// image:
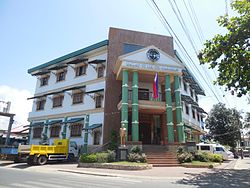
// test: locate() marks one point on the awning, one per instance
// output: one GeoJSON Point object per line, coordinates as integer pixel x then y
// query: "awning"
{"type": "Point", "coordinates": [57, 92]}
{"type": "Point", "coordinates": [188, 100]}
{"type": "Point", "coordinates": [187, 77]}
{"type": "Point", "coordinates": [74, 120]}
{"type": "Point", "coordinates": [75, 87]}
{"type": "Point", "coordinates": [37, 124]}
{"type": "Point", "coordinates": [199, 109]}
{"type": "Point", "coordinates": [53, 122]}
{"type": "Point", "coordinates": [77, 61]}
{"type": "Point", "coordinates": [58, 67]}
{"type": "Point", "coordinates": [41, 73]}
{"type": "Point", "coordinates": [95, 91]}
{"type": "Point", "coordinates": [35, 97]}
{"type": "Point", "coordinates": [97, 61]}
{"type": "Point", "coordinates": [94, 126]}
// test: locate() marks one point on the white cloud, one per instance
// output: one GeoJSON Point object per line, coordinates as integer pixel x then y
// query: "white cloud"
{"type": "Point", "coordinates": [19, 105]}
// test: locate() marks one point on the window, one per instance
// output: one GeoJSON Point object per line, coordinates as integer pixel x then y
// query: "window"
{"type": "Point", "coordinates": [37, 132]}
{"type": "Point", "coordinates": [187, 109]}
{"type": "Point", "coordinates": [191, 92]}
{"type": "Point", "coordinates": [193, 113]}
{"type": "Point", "coordinates": [98, 101]}
{"type": "Point", "coordinates": [40, 104]}
{"type": "Point", "coordinates": [143, 94]}
{"type": "Point", "coordinates": [198, 117]}
{"type": "Point", "coordinates": [76, 129]}
{"type": "Point", "coordinates": [78, 97]}
{"type": "Point", "coordinates": [96, 137]}
{"type": "Point", "coordinates": [81, 70]}
{"type": "Point", "coordinates": [100, 71]}
{"type": "Point", "coordinates": [185, 85]}
{"type": "Point", "coordinates": [182, 104]}
{"type": "Point", "coordinates": [57, 101]}
{"type": "Point", "coordinates": [55, 131]}
{"type": "Point", "coordinates": [44, 81]}
{"type": "Point", "coordinates": [205, 148]}
{"type": "Point", "coordinates": [60, 76]}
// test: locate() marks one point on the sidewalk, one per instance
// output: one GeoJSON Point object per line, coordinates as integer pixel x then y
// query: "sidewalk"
{"type": "Point", "coordinates": [154, 173]}
{"type": "Point", "coordinates": [243, 163]}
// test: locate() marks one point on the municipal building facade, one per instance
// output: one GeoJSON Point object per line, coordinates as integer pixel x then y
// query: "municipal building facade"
{"type": "Point", "coordinates": [87, 94]}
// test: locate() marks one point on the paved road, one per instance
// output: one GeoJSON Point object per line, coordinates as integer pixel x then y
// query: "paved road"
{"type": "Point", "coordinates": [18, 178]}
{"type": "Point", "coordinates": [231, 175]}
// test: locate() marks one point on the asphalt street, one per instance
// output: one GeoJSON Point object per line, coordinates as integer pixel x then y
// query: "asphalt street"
{"type": "Point", "coordinates": [233, 174]}
{"type": "Point", "coordinates": [17, 178]}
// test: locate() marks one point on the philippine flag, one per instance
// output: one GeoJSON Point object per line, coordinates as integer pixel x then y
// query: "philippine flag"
{"type": "Point", "coordinates": [155, 86]}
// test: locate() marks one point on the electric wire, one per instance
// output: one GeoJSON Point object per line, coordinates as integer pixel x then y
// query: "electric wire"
{"type": "Point", "coordinates": [180, 45]}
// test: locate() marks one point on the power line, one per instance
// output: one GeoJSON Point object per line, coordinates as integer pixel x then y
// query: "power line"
{"type": "Point", "coordinates": [166, 24]}
{"type": "Point", "coordinates": [183, 25]}
{"type": "Point", "coordinates": [195, 26]}
{"type": "Point", "coordinates": [200, 34]}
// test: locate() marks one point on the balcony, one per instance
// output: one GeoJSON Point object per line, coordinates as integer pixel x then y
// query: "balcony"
{"type": "Point", "coordinates": [146, 101]}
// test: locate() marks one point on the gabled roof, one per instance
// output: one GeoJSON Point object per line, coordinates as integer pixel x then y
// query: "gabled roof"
{"type": "Point", "coordinates": [140, 55]}
{"type": "Point", "coordinates": [70, 55]}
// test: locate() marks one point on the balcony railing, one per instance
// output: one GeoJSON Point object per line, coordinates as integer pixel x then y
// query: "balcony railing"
{"type": "Point", "coordinates": [146, 95]}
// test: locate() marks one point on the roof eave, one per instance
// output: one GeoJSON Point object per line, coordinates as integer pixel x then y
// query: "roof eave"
{"type": "Point", "coordinates": [70, 55]}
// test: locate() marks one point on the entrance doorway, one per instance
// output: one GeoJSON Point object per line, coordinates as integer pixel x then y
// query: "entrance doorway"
{"type": "Point", "coordinates": [145, 133]}
{"type": "Point", "coordinates": [150, 129]}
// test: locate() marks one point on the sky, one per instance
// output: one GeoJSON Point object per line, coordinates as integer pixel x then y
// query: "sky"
{"type": "Point", "coordinates": [35, 32]}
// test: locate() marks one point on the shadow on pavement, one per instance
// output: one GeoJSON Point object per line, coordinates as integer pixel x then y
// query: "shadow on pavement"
{"type": "Point", "coordinates": [6, 163]}
{"type": "Point", "coordinates": [21, 166]}
{"type": "Point", "coordinates": [219, 178]}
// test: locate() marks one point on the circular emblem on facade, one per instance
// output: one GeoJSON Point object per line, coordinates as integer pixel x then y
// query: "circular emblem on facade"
{"type": "Point", "coordinates": [153, 55]}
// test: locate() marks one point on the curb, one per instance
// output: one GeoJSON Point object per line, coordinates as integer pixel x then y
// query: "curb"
{"type": "Point", "coordinates": [115, 166]}
{"type": "Point", "coordinates": [119, 175]}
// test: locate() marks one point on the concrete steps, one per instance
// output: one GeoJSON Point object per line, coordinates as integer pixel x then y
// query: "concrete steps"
{"type": "Point", "coordinates": [159, 156]}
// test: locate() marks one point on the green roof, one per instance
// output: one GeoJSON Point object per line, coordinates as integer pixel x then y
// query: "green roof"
{"type": "Point", "coordinates": [70, 55]}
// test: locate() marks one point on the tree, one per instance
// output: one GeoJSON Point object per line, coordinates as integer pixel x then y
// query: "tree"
{"type": "Point", "coordinates": [247, 120]}
{"type": "Point", "coordinates": [224, 125]}
{"type": "Point", "coordinates": [230, 53]}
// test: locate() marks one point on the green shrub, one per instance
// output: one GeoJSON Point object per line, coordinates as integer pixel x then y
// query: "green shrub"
{"type": "Point", "coordinates": [111, 156]}
{"type": "Point", "coordinates": [201, 156]}
{"type": "Point", "coordinates": [180, 150]}
{"type": "Point", "coordinates": [217, 158]}
{"type": "Point", "coordinates": [102, 157]}
{"type": "Point", "coordinates": [208, 157]}
{"type": "Point", "coordinates": [88, 158]}
{"type": "Point", "coordinates": [114, 140]}
{"type": "Point", "coordinates": [136, 157]}
{"type": "Point", "coordinates": [135, 149]}
{"type": "Point", "coordinates": [185, 157]}
{"type": "Point", "coordinates": [143, 158]}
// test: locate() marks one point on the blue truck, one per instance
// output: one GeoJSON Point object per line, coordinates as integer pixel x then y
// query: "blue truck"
{"type": "Point", "coordinates": [9, 153]}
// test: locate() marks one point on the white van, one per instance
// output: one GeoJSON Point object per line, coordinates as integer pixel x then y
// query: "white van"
{"type": "Point", "coordinates": [214, 148]}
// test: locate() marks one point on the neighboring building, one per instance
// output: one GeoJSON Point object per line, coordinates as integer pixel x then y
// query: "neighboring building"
{"type": "Point", "coordinates": [88, 93]}
{"type": "Point", "coordinates": [18, 135]}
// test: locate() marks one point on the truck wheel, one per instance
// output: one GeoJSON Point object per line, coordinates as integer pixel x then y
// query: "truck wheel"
{"type": "Point", "coordinates": [42, 160]}
{"type": "Point", "coordinates": [71, 157]}
{"type": "Point", "coordinates": [30, 161]}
